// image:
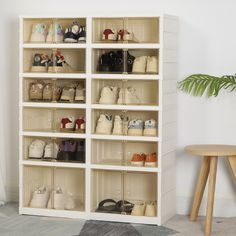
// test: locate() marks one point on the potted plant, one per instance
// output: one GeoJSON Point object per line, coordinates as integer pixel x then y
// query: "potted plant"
{"type": "Point", "coordinates": [197, 84]}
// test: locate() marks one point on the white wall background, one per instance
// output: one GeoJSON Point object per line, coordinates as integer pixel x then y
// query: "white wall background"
{"type": "Point", "coordinates": [207, 44]}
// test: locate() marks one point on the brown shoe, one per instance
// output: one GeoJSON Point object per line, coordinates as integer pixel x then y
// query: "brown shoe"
{"type": "Point", "coordinates": [36, 91]}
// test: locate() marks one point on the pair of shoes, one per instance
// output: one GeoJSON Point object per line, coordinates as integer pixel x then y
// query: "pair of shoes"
{"type": "Point", "coordinates": [73, 93]}
{"type": "Point", "coordinates": [149, 160]}
{"type": "Point", "coordinates": [115, 95]}
{"type": "Point", "coordinates": [70, 124]}
{"type": "Point", "coordinates": [114, 35]}
{"type": "Point", "coordinates": [139, 128]}
{"type": "Point", "coordinates": [39, 149]}
{"type": "Point", "coordinates": [70, 150]}
{"type": "Point", "coordinates": [42, 198]}
{"type": "Point", "coordinates": [105, 125]}
{"type": "Point", "coordinates": [39, 91]}
{"type": "Point", "coordinates": [145, 64]}
{"type": "Point", "coordinates": [113, 61]}
{"type": "Point", "coordinates": [142, 209]}
{"type": "Point", "coordinates": [111, 206]}
{"type": "Point", "coordinates": [55, 64]}
{"type": "Point", "coordinates": [74, 33]}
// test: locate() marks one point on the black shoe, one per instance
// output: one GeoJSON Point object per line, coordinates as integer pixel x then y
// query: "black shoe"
{"type": "Point", "coordinates": [107, 61]}
{"type": "Point", "coordinates": [72, 33]}
{"type": "Point", "coordinates": [82, 34]}
{"type": "Point", "coordinates": [80, 152]}
{"type": "Point", "coordinates": [40, 63]}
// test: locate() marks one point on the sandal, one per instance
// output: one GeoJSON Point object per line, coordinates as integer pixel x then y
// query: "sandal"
{"type": "Point", "coordinates": [107, 206]}
{"type": "Point", "coordinates": [124, 206]}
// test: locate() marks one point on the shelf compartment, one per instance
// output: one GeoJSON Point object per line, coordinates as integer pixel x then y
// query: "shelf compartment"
{"type": "Point", "coordinates": [70, 180]}
{"type": "Point", "coordinates": [119, 153]}
{"type": "Point", "coordinates": [48, 119]}
{"type": "Point", "coordinates": [128, 115]}
{"type": "Point", "coordinates": [75, 59]}
{"type": "Point", "coordinates": [145, 91]}
{"type": "Point", "coordinates": [63, 22]}
{"type": "Point", "coordinates": [56, 86]}
{"type": "Point", "coordinates": [123, 67]}
{"type": "Point", "coordinates": [135, 187]}
{"type": "Point", "coordinates": [144, 29]}
{"type": "Point", "coordinates": [54, 150]}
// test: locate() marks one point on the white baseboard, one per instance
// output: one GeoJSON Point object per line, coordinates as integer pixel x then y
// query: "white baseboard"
{"type": "Point", "coordinates": [223, 207]}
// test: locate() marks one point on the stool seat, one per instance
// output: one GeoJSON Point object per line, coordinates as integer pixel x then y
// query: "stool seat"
{"type": "Point", "coordinates": [211, 150]}
{"type": "Point", "coordinates": [208, 169]}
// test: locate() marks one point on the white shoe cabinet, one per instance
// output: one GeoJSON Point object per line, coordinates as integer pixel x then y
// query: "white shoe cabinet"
{"type": "Point", "coordinates": [107, 172]}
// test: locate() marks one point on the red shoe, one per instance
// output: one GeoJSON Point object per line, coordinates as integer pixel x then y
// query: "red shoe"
{"type": "Point", "coordinates": [151, 160]}
{"type": "Point", "coordinates": [67, 124]}
{"type": "Point", "coordinates": [125, 35]}
{"type": "Point", "coordinates": [109, 34]}
{"type": "Point", "coordinates": [80, 125]}
{"type": "Point", "coordinates": [138, 159]}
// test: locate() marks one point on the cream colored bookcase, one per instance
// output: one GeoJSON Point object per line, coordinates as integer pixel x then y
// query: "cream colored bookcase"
{"type": "Point", "coordinates": [107, 172]}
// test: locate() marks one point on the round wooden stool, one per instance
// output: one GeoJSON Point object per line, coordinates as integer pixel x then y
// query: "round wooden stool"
{"type": "Point", "coordinates": [210, 155]}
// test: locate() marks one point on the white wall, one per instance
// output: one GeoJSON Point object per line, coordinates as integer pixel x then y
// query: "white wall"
{"type": "Point", "coordinates": [207, 44]}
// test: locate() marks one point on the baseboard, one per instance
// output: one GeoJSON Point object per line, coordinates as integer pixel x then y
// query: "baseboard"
{"type": "Point", "coordinates": [223, 207]}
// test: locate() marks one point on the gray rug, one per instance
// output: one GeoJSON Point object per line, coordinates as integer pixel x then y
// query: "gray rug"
{"type": "Point", "coordinates": [101, 228]}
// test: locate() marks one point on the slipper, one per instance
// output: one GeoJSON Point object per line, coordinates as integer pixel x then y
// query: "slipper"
{"type": "Point", "coordinates": [124, 206]}
{"type": "Point", "coordinates": [107, 206]}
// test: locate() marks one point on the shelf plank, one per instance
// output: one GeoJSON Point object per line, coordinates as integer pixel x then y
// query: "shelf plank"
{"type": "Point", "coordinates": [54, 105]}
{"type": "Point", "coordinates": [126, 107]}
{"type": "Point", "coordinates": [124, 168]}
{"type": "Point", "coordinates": [54, 75]}
{"type": "Point", "coordinates": [52, 164]}
{"type": "Point", "coordinates": [55, 45]}
{"type": "Point", "coordinates": [126, 45]}
{"type": "Point", "coordinates": [126, 76]}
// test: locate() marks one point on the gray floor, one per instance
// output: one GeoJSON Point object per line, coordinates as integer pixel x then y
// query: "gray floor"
{"type": "Point", "coordinates": [12, 224]}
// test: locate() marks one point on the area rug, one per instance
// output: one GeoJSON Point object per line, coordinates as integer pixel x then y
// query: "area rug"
{"type": "Point", "coordinates": [101, 228]}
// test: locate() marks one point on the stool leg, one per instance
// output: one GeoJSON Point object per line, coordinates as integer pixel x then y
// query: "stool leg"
{"type": "Point", "coordinates": [202, 179]}
{"type": "Point", "coordinates": [211, 193]}
{"type": "Point", "coordinates": [232, 163]}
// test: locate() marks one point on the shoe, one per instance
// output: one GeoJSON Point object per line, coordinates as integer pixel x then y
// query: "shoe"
{"type": "Point", "coordinates": [109, 34]}
{"type": "Point", "coordinates": [107, 61]}
{"type": "Point", "coordinates": [40, 63]}
{"type": "Point", "coordinates": [72, 33]}
{"type": "Point", "coordinates": [56, 93]}
{"type": "Point", "coordinates": [151, 160]}
{"type": "Point", "coordinates": [108, 95]}
{"type": "Point", "coordinates": [47, 92]}
{"type": "Point", "coordinates": [152, 65]}
{"type": "Point", "coordinates": [80, 151]}
{"type": "Point", "coordinates": [55, 34]}
{"type": "Point", "coordinates": [40, 198]}
{"type": "Point", "coordinates": [51, 151]}
{"type": "Point", "coordinates": [150, 210]}
{"type": "Point", "coordinates": [139, 65]}
{"type": "Point", "coordinates": [36, 149]}
{"type": "Point", "coordinates": [38, 34]}
{"type": "Point", "coordinates": [57, 63]}
{"type": "Point", "coordinates": [69, 201]}
{"type": "Point", "coordinates": [80, 93]}
{"type": "Point", "coordinates": [104, 124]}
{"type": "Point", "coordinates": [125, 35]}
{"type": "Point", "coordinates": [138, 209]}
{"type": "Point", "coordinates": [82, 34]}
{"type": "Point", "coordinates": [80, 125]}
{"type": "Point", "coordinates": [150, 128]}
{"type": "Point", "coordinates": [68, 93]}
{"type": "Point", "coordinates": [135, 128]}
{"type": "Point", "coordinates": [138, 159]}
{"type": "Point", "coordinates": [118, 125]}
{"type": "Point", "coordinates": [128, 96]}
{"type": "Point", "coordinates": [67, 124]}
{"type": "Point", "coordinates": [36, 91]}
{"type": "Point", "coordinates": [59, 200]}
{"type": "Point", "coordinates": [67, 151]}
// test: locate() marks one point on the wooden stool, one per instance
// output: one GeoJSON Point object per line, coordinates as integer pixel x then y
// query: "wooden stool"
{"type": "Point", "coordinates": [210, 155]}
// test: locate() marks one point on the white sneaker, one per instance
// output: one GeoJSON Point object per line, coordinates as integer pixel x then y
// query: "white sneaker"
{"type": "Point", "coordinates": [138, 209]}
{"type": "Point", "coordinates": [80, 93]}
{"type": "Point", "coordinates": [150, 128]}
{"type": "Point", "coordinates": [139, 65]}
{"type": "Point", "coordinates": [152, 65]}
{"type": "Point", "coordinates": [120, 125]}
{"type": "Point", "coordinates": [58, 199]}
{"type": "Point", "coordinates": [69, 201]}
{"type": "Point", "coordinates": [55, 34]}
{"type": "Point", "coordinates": [40, 198]}
{"type": "Point", "coordinates": [51, 151]}
{"type": "Point", "coordinates": [36, 149]}
{"type": "Point", "coordinates": [151, 210]}
{"type": "Point", "coordinates": [128, 96]}
{"type": "Point", "coordinates": [104, 124]}
{"type": "Point", "coordinates": [135, 128]}
{"type": "Point", "coordinates": [38, 34]}
{"type": "Point", "coordinates": [108, 95]}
